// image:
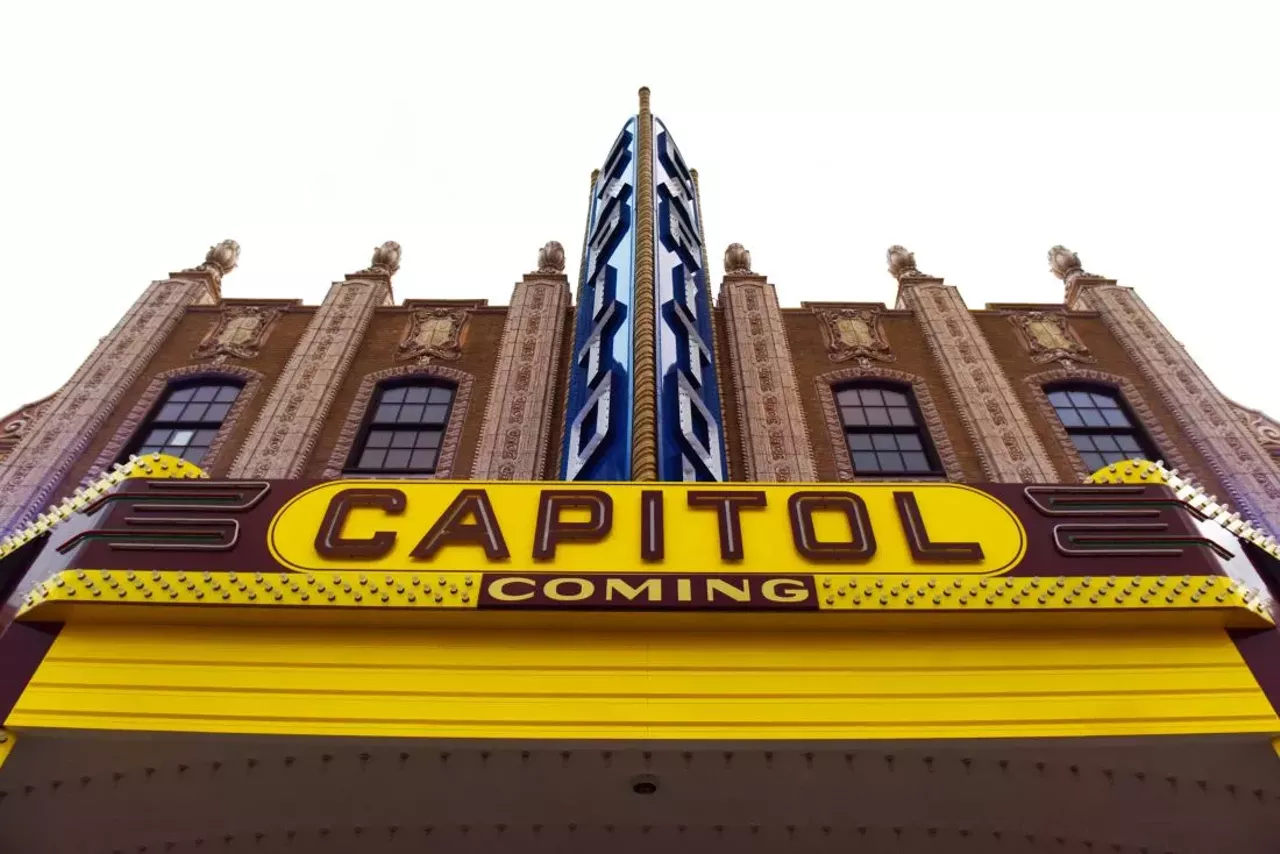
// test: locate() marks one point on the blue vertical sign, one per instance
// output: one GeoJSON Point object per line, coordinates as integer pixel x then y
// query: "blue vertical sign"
{"type": "Point", "coordinates": [597, 443]}
{"type": "Point", "coordinates": [690, 436]}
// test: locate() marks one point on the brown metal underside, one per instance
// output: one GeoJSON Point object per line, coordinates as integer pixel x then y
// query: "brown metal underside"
{"type": "Point", "coordinates": [79, 793]}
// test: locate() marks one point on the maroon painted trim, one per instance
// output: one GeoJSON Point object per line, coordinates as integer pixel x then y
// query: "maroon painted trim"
{"type": "Point", "coordinates": [1260, 650]}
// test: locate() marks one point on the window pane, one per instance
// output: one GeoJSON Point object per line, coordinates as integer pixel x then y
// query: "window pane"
{"type": "Point", "coordinates": [417, 394]}
{"type": "Point", "coordinates": [194, 412]}
{"type": "Point", "coordinates": [227, 394]}
{"type": "Point", "coordinates": [893, 398]}
{"type": "Point", "coordinates": [1105, 443]}
{"type": "Point", "coordinates": [372, 458]}
{"type": "Point", "coordinates": [871, 396]}
{"type": "Point", "coordinates": [394, 395]}
{"type": "Point", "coordinates": [181, 438]}
{"type": "Point", "coordinates": [1114, 457]}
{"type": "Point", "coordinates": [1105, 401]}
{"type": "Point", "coordinates": [435, 413]}
{"type": "Point", "coordinates": [1070, 418]}
{"type": "Point", "coordinates": [397, 460]}
{"type": "Point", "coordinates": [169, 412]}
{"type": "Point", "coordinates": [865, 461]}
{"type": "Point", "coordinates": [848, 397]}
{"type": "Point", "coordinates": [194, 454]}
{"type": "Point", "coordinates": [157, 437]}
{"type": "Point", "coordinates": [423, 460]}
{"type": "Point", "coordinates": [916, 462]}
{"type": "Point", "coordinates": [1084, 443]}
{"type": "Point", "coordinates": [1094, 461]}
{"type": "Point", "coordinates": [403, 439]}
{"type": "Point", "coordinates": [1129, 444]}
{"type": "Point", "coordinates": [217, 412]}
{"type": "Point", "coordinates": [410, 413]}
{"type": "Point", "coordinates": [901, 417]}
{"type": "Point", "coordinates": [1059, 398]}
{"type": "Point", "coordinates": [1115, 418]}
{"type": "Point", "coordinates": [859, 441]}
{"type": "Point", "coordinates": [205, 393]}
{"type": "Point", "coordinates": [853, 417]}
{"type": "Point", "coordinates": [386, 414]}
{"type": "Point", "coordinates": [1081, 398]}
{"type": "Point", "coordinates": [909, 442]}
{"type": "Point", "coordinates": [440, 395]}
{"type": "Point", "coordinates": [1093, 418]}
{"type": "Point", "coordinates": [204, 437]}
{"type": "Point", "coordinates": [883, 442]}
{"type": "Point", "coordinates": [182, 395]}
{"type": "Point", "coordinates": [428, 438]}
{"type": "Point", "coordinates": [148, 449]}
{"type": "Point", "coordinates": [890, 462]}
{"type": "Point", "coordinates": [877, 416]}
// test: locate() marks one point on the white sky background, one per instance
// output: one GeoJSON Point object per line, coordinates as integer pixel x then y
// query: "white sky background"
{"type": "Point", "coordinates": [1143, 135]}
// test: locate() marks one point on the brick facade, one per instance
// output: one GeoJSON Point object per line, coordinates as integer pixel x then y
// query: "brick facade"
{"type": "Point", "coordinates": [779, 368]}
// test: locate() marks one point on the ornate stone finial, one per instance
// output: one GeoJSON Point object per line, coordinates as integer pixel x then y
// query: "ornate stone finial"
{"type": "Point", "coordinates": [1065, 264]}
{"type": "Point", "coordinates": [551, 258]}
{"type": "Point", "coordinates": [386, 259]}
{"type": "Point", "coordinates": [902, 264]}
{"type": "Point", "coordinates": [221, 259]}
{"type": "Point", "coordinates": [736, 259]}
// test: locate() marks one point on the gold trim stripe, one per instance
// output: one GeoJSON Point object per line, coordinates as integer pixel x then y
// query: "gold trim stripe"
{"type": "Point", "coordinates": [644, 441]}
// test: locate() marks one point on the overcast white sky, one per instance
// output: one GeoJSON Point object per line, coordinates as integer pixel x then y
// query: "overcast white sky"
{"type": "Point", "coordinates": [1143, 135]}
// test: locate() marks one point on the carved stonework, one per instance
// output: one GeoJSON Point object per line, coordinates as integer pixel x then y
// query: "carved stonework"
{"type": "Point", "coordinates": [902, 264]}
{"type": "Point", "coordinates": [240, 332]}
{"type": "Point", "coordinates": [1048, 337]}
{"type": "Point", "coordinates": [737, 260]}
{"type": "Point", "coordinates": [825, 384]}
{"type": "Point", "coordinates": [515, 434]}
{"type": "Point", "coordinates": [462, 382]}
{"type": "Point", "coordinates": [1008, 446]}
{"type": "Point", "coordinates": [1128, 392]}
{"type": "Point", "coordinates": [437, 332]}
{"type": "Point", "coordinates": [1243, 466]}
{"type": "Point", "coordinates": [1264, 428]}
{"type": "Point", "coordinates": [290, 422]}
{"type": "Point", "coordinates": [34, 469]}
{"type": "Point", "coordinates": [17, 424]}
{"type": "Point", "coordinates": [775, 439]}
{"type": "Point", "coordinates": [551, 258]}
{"type": "Point", "coordinates": [251, 382]}
{"type": "Point", "coordinates": [853, 333]}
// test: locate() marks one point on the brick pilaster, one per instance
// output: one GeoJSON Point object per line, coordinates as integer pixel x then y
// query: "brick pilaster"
{"type": "Point", "coordinates": [282, 438]}
{"type": "Point", "coordinates": [1000, 429]}
{"type": "Point", "coordinates": [34, 469]}
{"type": "Point", "coordinates": [1205, 415]}
{"type": "Point", "coordinates": [775, 440]}
{"type": "Point", "coordinates": [515, 438]}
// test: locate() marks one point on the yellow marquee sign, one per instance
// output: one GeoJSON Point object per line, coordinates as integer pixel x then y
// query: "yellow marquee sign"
{"type": "Point", "coordinates": [638, 528]}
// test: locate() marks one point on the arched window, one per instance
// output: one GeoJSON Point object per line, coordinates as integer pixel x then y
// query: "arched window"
{"type": "Point", "coordinates": [187, 420]}
{"type": "Point", "coordinates": [884, 432]}
{"type": "Point", "coordinates": [404, 429]}
{"type": "Point", "coordinates": [1101, 427]}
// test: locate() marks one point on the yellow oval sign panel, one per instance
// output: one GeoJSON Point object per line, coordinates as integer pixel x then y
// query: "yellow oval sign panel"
{"type": "Point", "coordinates": [395, 526]}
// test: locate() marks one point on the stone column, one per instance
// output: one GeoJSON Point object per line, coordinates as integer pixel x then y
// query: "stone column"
{"type": "Point", "coordinates": [1006, 441]}
{"type": "Point", "coordinates": [515, 437]}
{"type": "Point", "coordinates": [1208, 419]}
{"type": "Point", "coordinates": [281, 439]}
{"type": "Point", "coordinates": [775, 440]}
{"type": "Point", "coordinates": [34, 469]}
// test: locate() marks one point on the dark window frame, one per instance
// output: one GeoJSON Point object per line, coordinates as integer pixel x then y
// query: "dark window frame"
{"type": "Point", "coordinates": [1135, 430]}
{"type": "Point", "coordinates": [175, 421]}
{"type": "Point", "coordinates": [917, 428]}
{"type": "Point", "coordinates": [370, 425]}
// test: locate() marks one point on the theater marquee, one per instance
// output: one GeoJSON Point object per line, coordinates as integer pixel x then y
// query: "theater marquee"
{"type": "Point", "coordinates": [421, 545]}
